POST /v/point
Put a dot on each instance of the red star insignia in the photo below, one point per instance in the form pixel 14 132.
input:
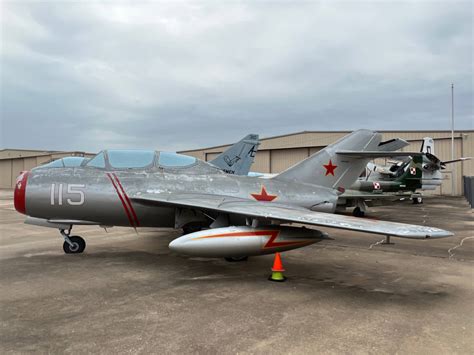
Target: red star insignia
pixel 264 196
pixel 330 168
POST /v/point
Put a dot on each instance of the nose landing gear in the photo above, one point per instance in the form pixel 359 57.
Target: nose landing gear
pixel 73 244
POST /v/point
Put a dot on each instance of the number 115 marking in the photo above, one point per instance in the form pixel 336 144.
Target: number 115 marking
pixel 71 189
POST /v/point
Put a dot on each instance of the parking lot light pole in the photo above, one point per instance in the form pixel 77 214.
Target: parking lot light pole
pixel 453 172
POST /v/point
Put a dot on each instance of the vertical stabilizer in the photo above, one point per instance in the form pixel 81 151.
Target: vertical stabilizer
pixel 329 169
pixel 427 146
pixel 238 158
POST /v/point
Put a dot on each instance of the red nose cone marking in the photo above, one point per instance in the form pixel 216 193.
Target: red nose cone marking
pixel 20 192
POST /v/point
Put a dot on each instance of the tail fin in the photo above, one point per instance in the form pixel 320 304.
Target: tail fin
pixel 330 169
pixel 238 158
pixel 427 146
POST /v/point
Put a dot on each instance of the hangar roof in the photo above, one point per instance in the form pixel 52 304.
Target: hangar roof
pixel 27 153
pixel 323 138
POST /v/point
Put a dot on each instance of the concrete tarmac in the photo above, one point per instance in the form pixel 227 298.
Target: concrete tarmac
pixel 127 293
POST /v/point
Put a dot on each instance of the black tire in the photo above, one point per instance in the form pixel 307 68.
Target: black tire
pixel 357 212
pixel 236 259
pixel 78 246
pixel 417 200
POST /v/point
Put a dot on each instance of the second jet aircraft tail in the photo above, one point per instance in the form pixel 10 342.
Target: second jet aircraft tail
pixel 238 158
pixel 339 164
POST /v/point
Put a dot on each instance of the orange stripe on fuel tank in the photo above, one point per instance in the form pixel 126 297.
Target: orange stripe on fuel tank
pixel 269 244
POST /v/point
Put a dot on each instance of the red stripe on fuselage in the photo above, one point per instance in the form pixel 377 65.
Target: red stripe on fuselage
pixel 137 223
pixel 130 220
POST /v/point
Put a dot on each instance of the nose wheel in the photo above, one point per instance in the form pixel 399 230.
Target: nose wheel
pixel 72 244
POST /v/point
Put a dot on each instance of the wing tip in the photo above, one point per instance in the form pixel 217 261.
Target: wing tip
pixel 439 234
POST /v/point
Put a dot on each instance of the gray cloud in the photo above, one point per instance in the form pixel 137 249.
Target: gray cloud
pixel 90 75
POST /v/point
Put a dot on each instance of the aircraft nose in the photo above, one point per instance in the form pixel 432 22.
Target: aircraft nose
pixel 19 196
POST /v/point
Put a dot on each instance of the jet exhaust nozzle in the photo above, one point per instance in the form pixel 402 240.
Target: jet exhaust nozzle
pixel 244 241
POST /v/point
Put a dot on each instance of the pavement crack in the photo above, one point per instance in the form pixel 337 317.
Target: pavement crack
pixel 377 243
pixel 451 250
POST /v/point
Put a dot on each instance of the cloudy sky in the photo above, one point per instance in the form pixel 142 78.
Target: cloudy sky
pixel 86 75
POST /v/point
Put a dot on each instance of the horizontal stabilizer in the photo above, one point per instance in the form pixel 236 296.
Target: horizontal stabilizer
pixel 392 144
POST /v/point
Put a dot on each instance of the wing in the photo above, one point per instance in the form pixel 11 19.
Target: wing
pixel 286 213
pixel 355 194
pixel 377 154
pixel 455 160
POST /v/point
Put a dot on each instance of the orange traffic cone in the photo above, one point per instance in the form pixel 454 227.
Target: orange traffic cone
pixel 277 270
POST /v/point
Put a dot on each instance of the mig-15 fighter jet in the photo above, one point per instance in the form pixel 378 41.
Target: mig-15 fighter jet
pixel 240 216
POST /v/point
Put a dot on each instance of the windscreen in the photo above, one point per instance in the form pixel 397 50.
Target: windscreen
pixel 54 164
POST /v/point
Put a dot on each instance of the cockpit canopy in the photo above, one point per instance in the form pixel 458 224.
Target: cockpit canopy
pixel 126 159
pixel 139 159
pixel 175 160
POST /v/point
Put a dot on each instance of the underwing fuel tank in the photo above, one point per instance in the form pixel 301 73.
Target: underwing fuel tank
pixel 244 241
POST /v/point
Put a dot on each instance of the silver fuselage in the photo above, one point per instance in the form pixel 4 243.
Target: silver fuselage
pixel 103 196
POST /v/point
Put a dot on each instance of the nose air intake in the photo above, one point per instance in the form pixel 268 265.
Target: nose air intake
pixel 19 196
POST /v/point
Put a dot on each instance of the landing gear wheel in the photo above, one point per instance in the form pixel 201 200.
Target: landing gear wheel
pixel 78 245
pixel 418 200
pixel 235 259
pixel 358 212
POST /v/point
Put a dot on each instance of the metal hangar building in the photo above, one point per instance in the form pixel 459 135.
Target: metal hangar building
pixel 277 153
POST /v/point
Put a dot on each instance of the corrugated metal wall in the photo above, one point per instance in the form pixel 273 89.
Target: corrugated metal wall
pixel 278 153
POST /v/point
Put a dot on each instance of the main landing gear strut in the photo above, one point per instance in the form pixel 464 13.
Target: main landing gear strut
pixel 358 212
pixel 73 244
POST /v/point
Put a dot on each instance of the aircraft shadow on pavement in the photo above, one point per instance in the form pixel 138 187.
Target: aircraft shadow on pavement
pixel 348 281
